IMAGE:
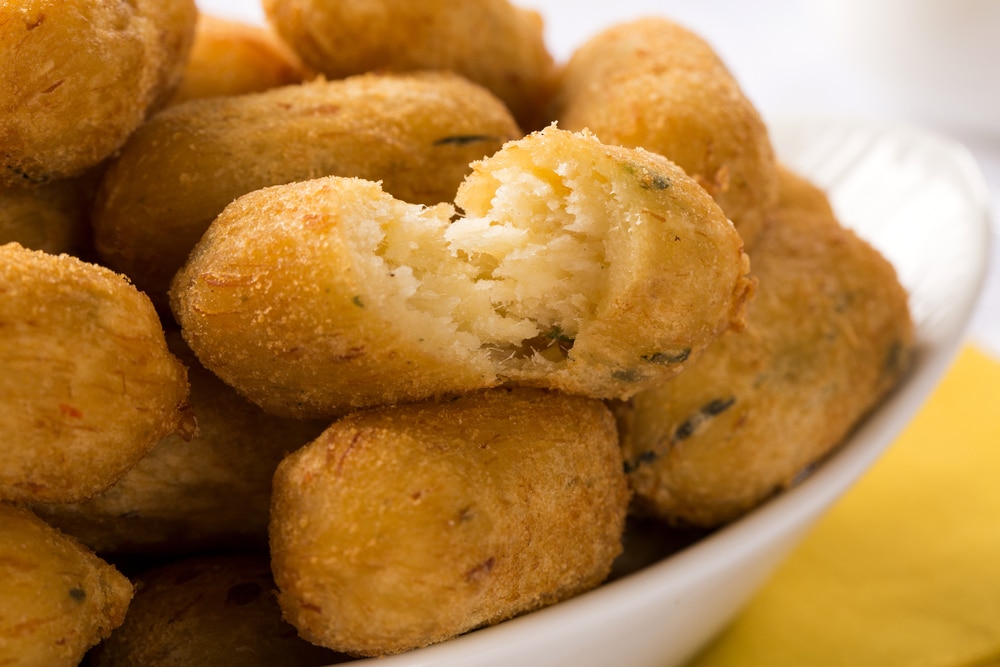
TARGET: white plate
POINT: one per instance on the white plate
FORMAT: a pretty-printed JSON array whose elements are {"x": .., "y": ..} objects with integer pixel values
[{"x": 922, "y": 201}]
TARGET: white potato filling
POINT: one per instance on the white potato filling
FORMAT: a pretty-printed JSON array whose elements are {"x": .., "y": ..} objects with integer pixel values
[{"x": 516, "y": 280}]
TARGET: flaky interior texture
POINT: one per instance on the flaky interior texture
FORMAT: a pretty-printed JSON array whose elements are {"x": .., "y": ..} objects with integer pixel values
[{"x": 516, "y": 275}]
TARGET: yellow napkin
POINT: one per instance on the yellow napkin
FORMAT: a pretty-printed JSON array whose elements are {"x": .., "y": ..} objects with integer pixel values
[{"x": 905, "y": 569}]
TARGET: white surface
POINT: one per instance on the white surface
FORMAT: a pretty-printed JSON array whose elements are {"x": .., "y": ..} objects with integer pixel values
[{"x": 916, "y": 46}]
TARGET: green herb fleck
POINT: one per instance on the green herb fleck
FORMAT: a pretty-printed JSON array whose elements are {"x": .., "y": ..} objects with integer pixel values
[
  {"x": 645, "y": 457},
  {"x": 667, "y": 357},
  {"x": 357, "y": 301},
  {"x": 78, "y": 594},
  {"x": 556, "y": 333},
  {"x": 24, "y": 175},
  {"x": 718, "y": 406},
  {"x": 627, "y": 375},
  {"x": 655, "y": 182},
  {"x": 465, "y": 139},
  {"x": 648, "y": 179},
  {"x": 711, "y": 409}
]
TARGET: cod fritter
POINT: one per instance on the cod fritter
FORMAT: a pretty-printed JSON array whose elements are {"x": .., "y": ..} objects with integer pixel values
[
  {"x": 492, "y": 42},
  {"x": 87, "y": 385},
  {"x": 828, "y": 335},
  {"x": 416, "y": 134},
  {"x": 654, "y": 84},
  {"x": 79, "y": 77},
  {"x": 592, "y": 269},
  {"x": 405, "y": 526},
  {"x": 57, "y": 599}
]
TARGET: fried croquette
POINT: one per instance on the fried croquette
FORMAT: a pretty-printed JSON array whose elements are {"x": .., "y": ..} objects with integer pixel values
[
  {"x": 209, "y": 492},
  {"x": 400, "y": 527},
  {"x": 208, "y": 612},
  {"x": 416, "y": 134},
  {"x": 582, "y": 267},
  {"x": 79, "y": 77},
  {"x": 57, "y": 599},
  {"x": 654, "y": 84},
  {"x": 234, "y": 58},
  {"x": 87, "y": 385},
  {"x": 828, "y": 335},
  {"x": 492, "y": 42}
]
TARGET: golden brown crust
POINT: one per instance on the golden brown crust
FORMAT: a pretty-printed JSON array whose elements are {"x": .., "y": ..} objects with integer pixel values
[
  {"x": 406, "y": 526},
  {"x": 211, "y": 491},
  {"x": 59, "y": 599},
  {"x": 206, "y": 612},
  {"x": 654, "y": 84},
  {"x": 416, "y": 134},
  {"x": 581, "y": 267},
  {"x": 275, "y": 301},
  {"x": 88, "y": 385},
  {"x": 79, "y": 77},
  {"x": 491, "y": 42},
  {"x": 234, "y": 58},
  {"x": 828, "y": 335}
]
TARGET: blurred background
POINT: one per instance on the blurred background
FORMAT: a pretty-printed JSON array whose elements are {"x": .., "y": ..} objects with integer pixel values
[{"x": 925, "y": 62}]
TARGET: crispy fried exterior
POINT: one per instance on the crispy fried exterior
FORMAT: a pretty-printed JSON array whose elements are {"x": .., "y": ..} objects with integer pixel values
[
  {"x": 654, "y": 84},
  {"x": 50, "y": 217},
  {"x": 491, "y": 42},
  {"x": 87, "y": 385},
  {"x": 405, "y": 526},
  {"x": 234, "y": 58},
  {"x": 416, "y": 134},
  {"x": 57, "y": 599},
  {"x": 79, "y": 77},
  {"x": 828, "y": 335},
  {"x": 582, "y": 267},
  {"x": 206, "y": 612},
  {"x": 212, "y": 491},
  {"x": 278, "y": 301}
]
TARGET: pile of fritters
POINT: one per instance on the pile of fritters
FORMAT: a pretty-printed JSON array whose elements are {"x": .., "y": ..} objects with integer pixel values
[{"x": 351, "y": 334}]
